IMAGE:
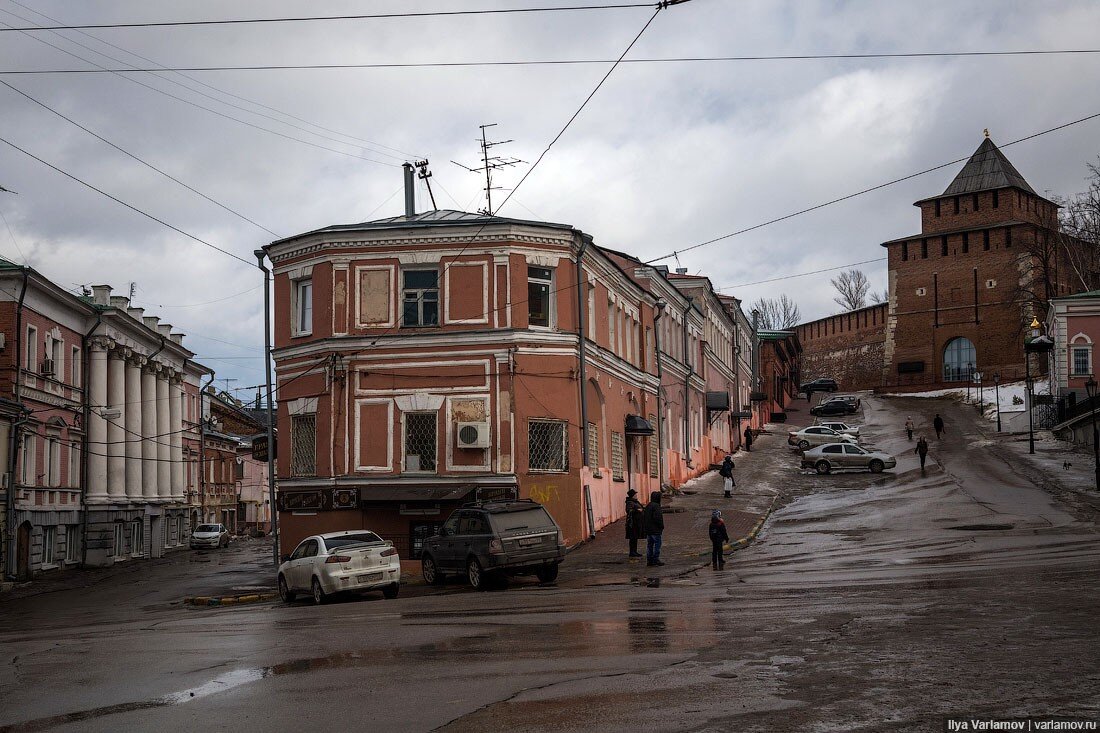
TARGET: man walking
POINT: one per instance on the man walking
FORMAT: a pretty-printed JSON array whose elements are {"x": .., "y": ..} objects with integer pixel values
[
  {"x": 718, "y": 539},
  {"x": 937, "y": 423},
  {"x": 922, "y": 451},
  {"x": 909, "y": 427},
  {"x": 633, "y": 522},
  {"x": 726, "y": 472},
  {"x": 653, "y": 522},
  {"x": 748, "y": 438}
]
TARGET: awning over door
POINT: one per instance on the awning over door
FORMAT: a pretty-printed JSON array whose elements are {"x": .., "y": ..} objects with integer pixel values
[
  {"x": 718, "y": 401},
  {"x": 638, "y": 425}
]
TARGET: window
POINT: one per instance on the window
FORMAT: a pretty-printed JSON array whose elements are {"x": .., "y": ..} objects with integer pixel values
[
  {"x": 628, "y": 337},
  {"x": 853, "y": 450},
  {"x": 996, "y": 199},
  {"x": 539, "y": 280},
  {"x": 49, "y": 544},
  {"x": 1082, "y": 359},
  {"x": 137, "y": 538},
  {"x": 72, "y": 542},
  {"x": 76, "y": 367},
  {"x": 985, "y": 239},
  {"x": 594, "y": 447},
  {"x": 956, "y": 204},
  {"x": 119, "y": 549},
  {"x": 943, "y": 246},
  {"x": 303, "y": 307},
  {"x": 904, "y": 251},
  {"x": 32, "y": 350},
  {"x": 653, "y": 449},
  {"x": 924, "y": 249},
  {"x": 420, "y": 298},
  {"x": 421, "y": 437},
  {"x": 303, "y": 436},
  {"x": 30, "y": 461},
  {"x": 611, "y": 325},
  {"x": 617, "y": 451},
  {"x": 959, "y": 357},
  {"x": 53, "y": 462},
  {"x": 937, "y": 208},
  {"x": 592, "y": 313},
  {"x": 547, "y": 445},
  {"x": 977, "y": 203},
  {"x": 966, "y": 242},
  {"x": 1008, "y": 238},
  {"x": 832, "y": 449},
  {"x": 473, "y": 523}
]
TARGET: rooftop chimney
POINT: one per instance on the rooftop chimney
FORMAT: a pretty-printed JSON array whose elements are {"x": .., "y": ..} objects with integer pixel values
[
  {"x": 681, "y": 271},
  {"x": 176, "y": 338},
  {"x": 151, "y": 321},
  {"x": 120, "y": 301},
  {"x": 410, "y": 191},
  {"x": 136, "y": 313},
  {"x": 165, "y": 329},
  {"x": 101, "y": 294}
]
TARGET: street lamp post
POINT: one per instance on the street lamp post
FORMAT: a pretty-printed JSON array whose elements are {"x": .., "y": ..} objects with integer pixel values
[
  {"x": 969, "y": 379},
  {"x": 997, "y": 396},
  {"x": 1039, "y": 343},
  {"x": 1090, "y": 388}
]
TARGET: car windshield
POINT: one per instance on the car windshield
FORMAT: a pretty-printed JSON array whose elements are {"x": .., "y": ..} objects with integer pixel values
[
  {"x": 208, "y": 528},
  {"x": 360, "y": 538},
  {"x": 527, "y": 519}
]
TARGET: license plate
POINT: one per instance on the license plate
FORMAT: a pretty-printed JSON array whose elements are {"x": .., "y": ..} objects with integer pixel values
[
  {"x": 530, "y": 541},
  {"x": 369, "y": 577}
]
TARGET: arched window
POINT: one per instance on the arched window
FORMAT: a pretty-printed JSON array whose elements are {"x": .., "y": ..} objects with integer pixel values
[
  {"x": 1080, "y": 356},
  {"x": 959, "y": 360}
]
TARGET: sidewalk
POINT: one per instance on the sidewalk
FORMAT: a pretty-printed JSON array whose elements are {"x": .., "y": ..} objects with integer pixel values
[{"x": 604, "y": 560}]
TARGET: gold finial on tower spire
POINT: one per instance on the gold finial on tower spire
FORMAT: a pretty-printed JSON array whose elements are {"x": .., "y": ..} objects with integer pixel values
[{"x": 986, "y": 133}]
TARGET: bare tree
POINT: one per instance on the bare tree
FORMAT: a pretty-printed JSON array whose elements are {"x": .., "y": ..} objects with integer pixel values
[
  {"x": 1079, "y": 218},
  {"x": 851, "y": 287},
  {"x": 878, "y": 298},
  {"x": 777, "y": 313}
]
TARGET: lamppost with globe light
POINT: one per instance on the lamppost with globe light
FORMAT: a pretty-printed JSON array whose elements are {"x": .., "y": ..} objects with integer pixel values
[
  {"x": 1038, "y": 343},
  {"x": 1090, "y": 389}
]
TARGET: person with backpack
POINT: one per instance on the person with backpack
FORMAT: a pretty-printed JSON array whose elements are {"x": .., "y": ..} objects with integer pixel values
[
  {"x": 718, "y": 539},
  {"x": 726, "y": 472}
]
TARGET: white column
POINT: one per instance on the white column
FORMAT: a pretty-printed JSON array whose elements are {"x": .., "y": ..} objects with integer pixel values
[
  {"x": 97, "y": 426},
  {"x": 133, "y": 427},
  {"x": 175, "y": 420},
  {"x": 164, "y": 427},
  {"x": 148, "y": 430},
  {"x": 116, "y": 403}
]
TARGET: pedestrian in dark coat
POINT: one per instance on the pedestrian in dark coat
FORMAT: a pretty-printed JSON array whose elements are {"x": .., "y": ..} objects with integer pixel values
[
  {"x": 718, "y": 539},
  {"x": 748, "y": 438},
  {"x": 726, "y": 472},
  {"x": 633, "y": 522},
  {"x": 909, "y": 427},
  {"x": 937, "y": 423},
  {"x": 653, "y": 523},
  {"x": 922, "y": 451}
]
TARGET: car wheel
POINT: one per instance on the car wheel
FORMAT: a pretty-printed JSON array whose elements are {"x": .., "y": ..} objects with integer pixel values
[
  {"x": 476, "y": 575},
  {"x": 803, "y": 444},
  {"x": 391, "y": 591},
  {"x": 823, "y": 467},
  {"x": 547, "y": 573},
  {"x": 319, "y": 595},
  {"x": 285, "y": 593},
  {"x": 430, "y": 571},
  {"x": 876, "y": 466}
]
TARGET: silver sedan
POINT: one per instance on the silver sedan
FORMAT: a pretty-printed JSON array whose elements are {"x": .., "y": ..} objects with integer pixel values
[{"x": 828, "y": 458}]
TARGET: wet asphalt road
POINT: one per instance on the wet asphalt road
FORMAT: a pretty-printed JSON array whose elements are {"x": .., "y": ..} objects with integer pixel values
[{"x": 869, "y": 603}]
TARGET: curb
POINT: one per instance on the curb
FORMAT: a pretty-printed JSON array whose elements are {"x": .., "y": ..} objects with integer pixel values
[{"x": 229, "y": 600}]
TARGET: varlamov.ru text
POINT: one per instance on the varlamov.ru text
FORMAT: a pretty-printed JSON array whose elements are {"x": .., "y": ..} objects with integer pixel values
[{"x": 1029, "y": 724}]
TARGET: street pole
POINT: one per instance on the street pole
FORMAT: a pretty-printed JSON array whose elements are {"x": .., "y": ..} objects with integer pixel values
[
  {"x": 997, "y": 396},
  {"x": 260, "y": 255},
  {"x": 1027, "y": 383},
  {"x": 981, "y": 392},
  {"x": 1090, "y": 388}
]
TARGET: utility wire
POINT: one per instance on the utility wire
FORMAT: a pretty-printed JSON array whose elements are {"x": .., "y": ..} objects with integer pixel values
[
  {"x": 568, "y": 62},
  {"x": 145, "y": 163},
  {"x": 327, "y": 18},
  {"x": 196, "y": 305},
  {"x": 801, "y": 274},
  {"x": 863, "y": 191},
  {"x": 128, "y": 206}
]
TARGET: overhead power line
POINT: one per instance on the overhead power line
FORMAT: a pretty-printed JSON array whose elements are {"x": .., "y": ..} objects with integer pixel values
[
  {"x": 862, "y": 192},
  {"x": 330, "y": 18},
  {"x": 801, "y": 274},
  {"x": 133, "y": 208},
  {"x": 568, "y": 62}
]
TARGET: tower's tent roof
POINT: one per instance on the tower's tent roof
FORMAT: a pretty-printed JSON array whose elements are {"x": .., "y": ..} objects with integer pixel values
[{"x": 987, "y": 169}]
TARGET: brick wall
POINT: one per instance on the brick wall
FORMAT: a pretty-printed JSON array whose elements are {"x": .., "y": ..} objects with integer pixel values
[{"x": 849, "y": 347}]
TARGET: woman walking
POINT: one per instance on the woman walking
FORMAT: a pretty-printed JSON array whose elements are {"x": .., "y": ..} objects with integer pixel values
[
  {"x": 922, "y": 451},
  {"x": 909, "y": 427},
  {"x": 726, "y": 472},
  {"x": 633, "y": 522},
  {"x": 718, "y": 539}
]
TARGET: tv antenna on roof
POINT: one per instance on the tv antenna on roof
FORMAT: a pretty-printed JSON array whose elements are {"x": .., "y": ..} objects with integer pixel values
[
  {"x": 490, "y": 163},
  {"x": 425, "y": 175}
]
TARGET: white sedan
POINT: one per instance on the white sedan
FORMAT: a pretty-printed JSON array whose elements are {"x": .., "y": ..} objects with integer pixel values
[
  {"x": 817, "y": 435},
  {"x": 840, "y": 427},
  {"x": 340, "y": 562}
]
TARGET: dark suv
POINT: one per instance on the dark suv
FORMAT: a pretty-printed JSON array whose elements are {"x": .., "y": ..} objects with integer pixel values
[
  {"x": 491, "y": 540},
  {"x": 824, "y": 384}
]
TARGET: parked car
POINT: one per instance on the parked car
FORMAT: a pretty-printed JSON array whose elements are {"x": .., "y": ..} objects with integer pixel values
[
  {"x": 352, "y": 561},
  {"x": 816, "y": 435},
  {"x": 209, "y": 536},
  {"x": 832, "y": 408},
  {"x": 492, "y": 540},
  {"x": 853, "y": 401},
  {"x": 827, "y": 458},
  {"x": 840, "y": 427},
  {"x": 824, "y": 384}
]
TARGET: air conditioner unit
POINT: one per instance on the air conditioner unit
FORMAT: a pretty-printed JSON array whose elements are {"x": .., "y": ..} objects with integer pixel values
[
  {"x": 47, "y": 367},
  {"x": 472, "y": 435}
]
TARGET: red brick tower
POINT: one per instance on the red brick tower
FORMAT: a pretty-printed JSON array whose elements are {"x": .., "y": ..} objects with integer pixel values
[{"x": 986, "y": 260}]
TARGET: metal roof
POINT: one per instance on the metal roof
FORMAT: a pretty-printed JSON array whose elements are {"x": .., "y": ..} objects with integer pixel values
[
  {"x": 427, "y": 219},
  {"x": 987, "y": 169},
  {"x": 949, "y": 232}
]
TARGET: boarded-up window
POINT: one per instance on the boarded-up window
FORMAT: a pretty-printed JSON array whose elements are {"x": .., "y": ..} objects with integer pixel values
[
  {"x": 617, "y": 451},
  {"x": 374, "y": 297}
]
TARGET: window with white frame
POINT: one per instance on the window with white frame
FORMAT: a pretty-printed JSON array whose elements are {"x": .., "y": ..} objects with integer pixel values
[
  {"x": 53, "y": 461},
  {"x": 419, "y": 298},
  {"x": 30, "y": 461},
  {"x": 618, "y": 449},
  {"x": 303, "y": 307},
  {"x": 76, "y": 375},
  {"x": 539, "y": 304},
  {"x": 303, "y": 443},
  {"x": 72, "y": 542},
  {"x": 654, "y": 449},
  {"x": 628, "y": 337},
  {"x": 1081, "y": 357},
  {"x": 592, "y": 312},
  {"x": 55, "y": 352},
  {"x": 611, "y": 325},
  {"x": 547, "y": 445},
  {"x": 119, "y": 548},
  {"x": 421, "y": 441},
  {"x": 31, "y": 364},
  {"x": 137, "y": 538},
  {"x": 49, "y": 544},
  {"x": 594, "y": 447}
]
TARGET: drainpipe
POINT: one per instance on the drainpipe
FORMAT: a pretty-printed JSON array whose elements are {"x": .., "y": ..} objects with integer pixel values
[
  {"x": 582, "y": 342},
  {"x": 86, "y": 413},
  {"x": 659, "y": 311},
  {"x": 687, "y": 390},
  {"x": 260, "y": 254},
  {"x": 13, "y": 441},
  {"x": 755, "y": 383}
]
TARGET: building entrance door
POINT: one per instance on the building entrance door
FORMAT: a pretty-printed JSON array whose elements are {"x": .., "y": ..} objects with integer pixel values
[{"x": 23, "y": 552}]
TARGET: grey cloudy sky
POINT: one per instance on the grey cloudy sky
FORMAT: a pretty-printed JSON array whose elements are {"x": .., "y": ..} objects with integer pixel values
[{"x": 665, "y": 156}]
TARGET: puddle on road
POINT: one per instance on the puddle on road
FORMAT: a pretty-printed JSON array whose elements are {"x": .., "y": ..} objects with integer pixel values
[{"x": 981, "y": 527}]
